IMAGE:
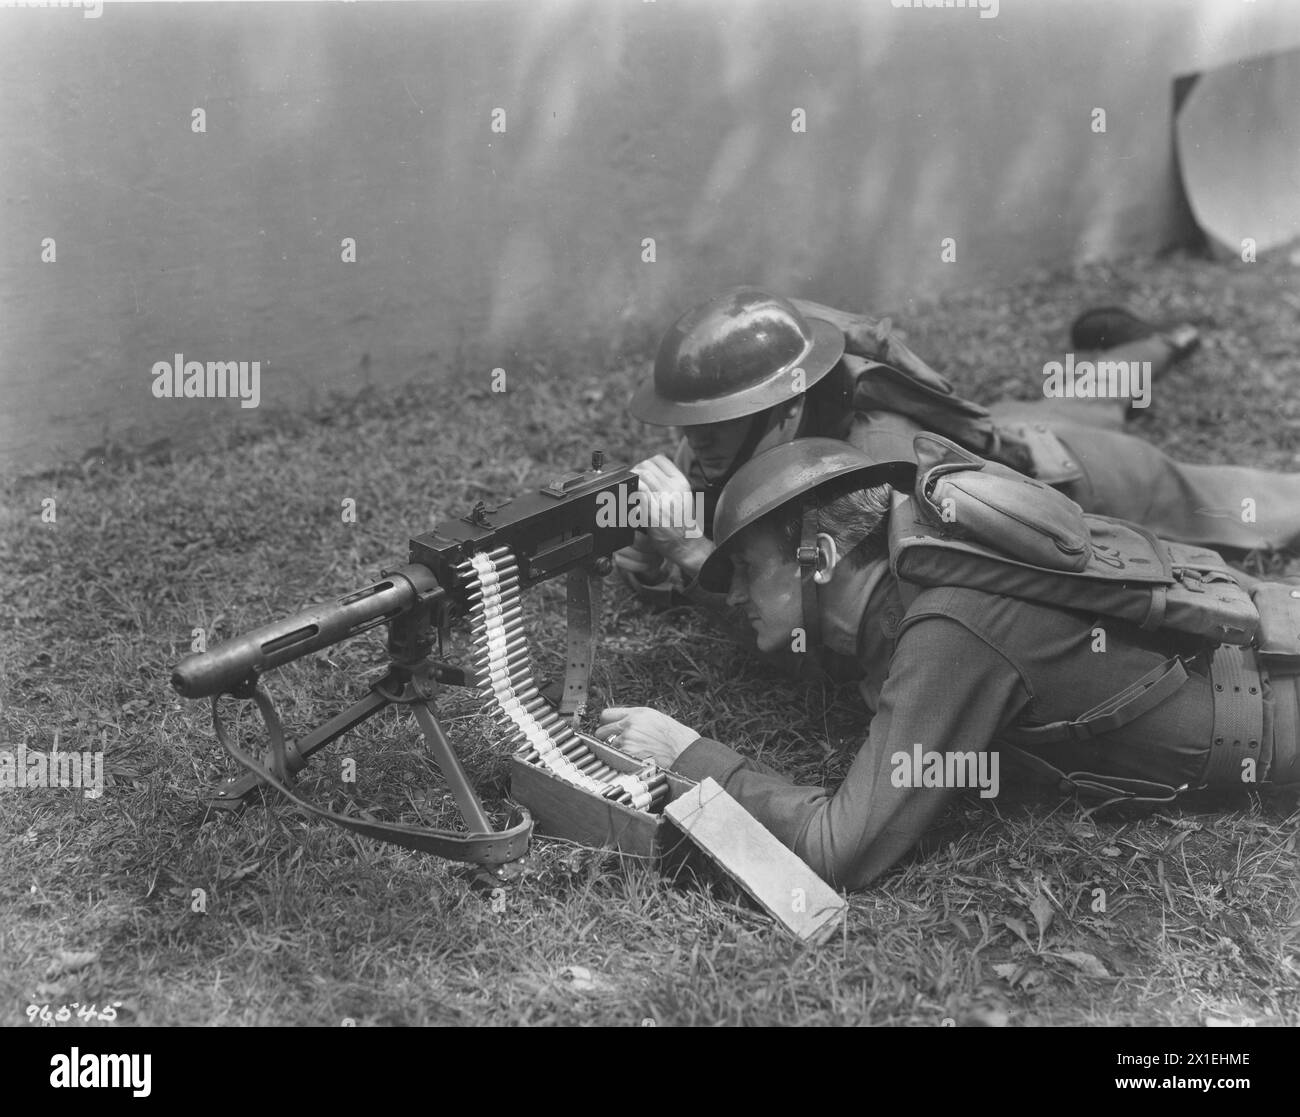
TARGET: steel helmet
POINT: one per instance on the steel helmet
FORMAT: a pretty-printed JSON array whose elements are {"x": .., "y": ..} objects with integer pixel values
[
  {"x": 735, "y": 355},
  {"x": 782, "y": 474}
]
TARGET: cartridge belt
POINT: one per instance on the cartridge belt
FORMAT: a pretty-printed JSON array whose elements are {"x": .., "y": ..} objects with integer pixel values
[
  {"x": 1238, "y": 729},
  {"x": 541, "y": 735}
]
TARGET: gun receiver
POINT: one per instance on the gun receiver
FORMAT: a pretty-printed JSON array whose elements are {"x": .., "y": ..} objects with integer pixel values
[
  {"x": 565, "y": 528},
  {"x": 549, "y": 532}
]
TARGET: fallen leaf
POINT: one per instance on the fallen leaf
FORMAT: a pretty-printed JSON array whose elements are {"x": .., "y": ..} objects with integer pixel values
[
  {"x": 1018, "y": 926},
  {"x": 1032, "y": 980},
  {"x": 70, "y": 961},
  {"x": 1019, "y": 975},
  {"x": 1041, "y": 907},
  {"x": 582, "y": 979},
  {"x": 986, "y": 1018},
  {"x": 1242, "y": 1022},
  {"x": 1088, "y": 963},
  {"x": 242, "y": 871},
  {"x": 1179, "y": 823}
]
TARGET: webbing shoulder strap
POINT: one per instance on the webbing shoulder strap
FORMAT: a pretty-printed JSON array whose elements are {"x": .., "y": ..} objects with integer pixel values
[{"x": 1117, "y": 711}]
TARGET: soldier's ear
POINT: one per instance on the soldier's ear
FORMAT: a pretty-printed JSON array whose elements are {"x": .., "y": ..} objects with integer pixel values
[{"x": 828, "y": 558}]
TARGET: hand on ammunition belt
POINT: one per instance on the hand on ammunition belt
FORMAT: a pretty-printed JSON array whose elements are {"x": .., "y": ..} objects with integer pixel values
[
  {"x": 644, "y": 733},
  {"x": 502, "y": 658}
]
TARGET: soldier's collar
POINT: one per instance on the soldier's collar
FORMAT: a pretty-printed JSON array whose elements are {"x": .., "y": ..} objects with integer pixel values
[{"x": 881, "y": 614}]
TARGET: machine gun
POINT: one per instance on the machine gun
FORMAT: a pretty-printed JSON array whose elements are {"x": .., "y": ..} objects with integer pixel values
[{"x": 472, "y": 568}]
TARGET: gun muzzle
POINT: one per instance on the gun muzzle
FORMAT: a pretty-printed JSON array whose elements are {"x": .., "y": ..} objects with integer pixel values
[{"x": 226, "y": 666}]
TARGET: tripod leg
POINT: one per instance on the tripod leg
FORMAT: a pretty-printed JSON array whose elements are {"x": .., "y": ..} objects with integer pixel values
[
  {"x": 233, "y": 794},
  {"x": 470, "y": 808}
]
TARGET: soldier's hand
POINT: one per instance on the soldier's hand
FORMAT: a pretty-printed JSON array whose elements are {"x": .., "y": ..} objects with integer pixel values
[
  {"x": 642, "y": 732},
  {"x": 675, "y": 514},
  {"x": 642, "y": 560}
]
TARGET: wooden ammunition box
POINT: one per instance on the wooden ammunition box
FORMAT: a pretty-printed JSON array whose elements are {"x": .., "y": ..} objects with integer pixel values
[
  {"x": 561, "y": 810},
  {"x": 725, "y": 842}
]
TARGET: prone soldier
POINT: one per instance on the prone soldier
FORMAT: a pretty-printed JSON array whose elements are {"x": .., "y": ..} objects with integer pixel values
[
  {"x": 1195, "y": 685},
  {"x": 749, "y": 370}
]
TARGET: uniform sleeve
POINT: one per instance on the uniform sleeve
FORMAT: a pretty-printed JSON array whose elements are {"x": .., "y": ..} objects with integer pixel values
[{"x": 948, "y": 690}]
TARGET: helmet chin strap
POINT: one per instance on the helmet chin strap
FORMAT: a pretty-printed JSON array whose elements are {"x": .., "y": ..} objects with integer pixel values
[
  {"x": 776, "y": 432},
  {"x": 807, "y": 555},
  {"x": 765, "y": 431}
]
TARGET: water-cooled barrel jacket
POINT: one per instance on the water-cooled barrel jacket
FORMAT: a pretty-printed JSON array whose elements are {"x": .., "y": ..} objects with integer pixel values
[{"x": 952, "y": 672}]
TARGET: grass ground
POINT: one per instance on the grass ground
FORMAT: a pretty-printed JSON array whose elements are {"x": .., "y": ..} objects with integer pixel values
[{"x": 307, "y": 925}]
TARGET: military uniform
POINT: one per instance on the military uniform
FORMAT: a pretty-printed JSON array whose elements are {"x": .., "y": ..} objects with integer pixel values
[
  {"x": 959, "y": 670},
  {"x": 1198, "y": 687},
  {"x": 881, "y": 394},
  {"x": 1074, "y": 445}
]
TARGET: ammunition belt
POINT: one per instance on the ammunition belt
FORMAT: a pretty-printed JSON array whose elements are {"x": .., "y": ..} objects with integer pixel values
[{"x": 544, "y": 738}]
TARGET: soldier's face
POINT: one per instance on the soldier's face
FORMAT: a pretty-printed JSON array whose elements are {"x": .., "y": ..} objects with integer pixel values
[
  {"x": 765, "y": 583},
  {"x": 715, "y": 445}
]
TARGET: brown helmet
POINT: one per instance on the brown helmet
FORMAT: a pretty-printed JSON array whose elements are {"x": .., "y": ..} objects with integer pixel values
[{"x": 735, "y": 355}]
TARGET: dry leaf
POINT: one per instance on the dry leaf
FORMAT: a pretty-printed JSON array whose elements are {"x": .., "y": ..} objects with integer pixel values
[
  {"x": 1018, "y": 926},
  {"x": 986, "y": 1018},
  {"x": 70, "y": 961},
  {"x": 1041, "y": 907},
  {"x": 1088, "y": 963},
  {"x": 580, "y": 978},
  {"x": 241, "y": 872},
  {"x": 1019, "y": 975}
]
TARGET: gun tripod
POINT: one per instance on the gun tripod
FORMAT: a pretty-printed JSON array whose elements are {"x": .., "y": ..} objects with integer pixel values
[{"x": 412, "y": 680}]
